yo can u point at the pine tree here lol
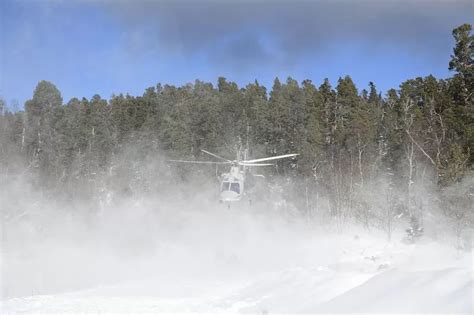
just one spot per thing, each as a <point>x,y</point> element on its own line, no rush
<point>42,114</point>
<point>462,85</point>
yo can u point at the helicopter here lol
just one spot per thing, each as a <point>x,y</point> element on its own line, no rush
<point>233,183</point>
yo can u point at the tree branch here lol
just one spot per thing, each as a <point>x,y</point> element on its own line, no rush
<point>421,149</point>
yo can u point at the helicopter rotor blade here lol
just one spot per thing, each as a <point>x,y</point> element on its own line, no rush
<point>215,155</point>
<point>198,162</point>
<point>255,164</point>
<point>270,158</point>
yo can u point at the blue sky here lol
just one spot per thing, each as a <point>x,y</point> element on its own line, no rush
<point>107,47</point>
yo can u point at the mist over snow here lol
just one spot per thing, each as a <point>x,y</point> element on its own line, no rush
<point>176,249</point>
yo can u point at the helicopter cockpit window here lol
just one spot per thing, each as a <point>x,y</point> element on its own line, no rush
<point>235,187</point>
<point>225,186</point>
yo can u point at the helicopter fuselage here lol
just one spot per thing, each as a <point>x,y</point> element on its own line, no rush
<point>232,185</point>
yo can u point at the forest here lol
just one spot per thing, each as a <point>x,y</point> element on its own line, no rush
<point>371,157</point>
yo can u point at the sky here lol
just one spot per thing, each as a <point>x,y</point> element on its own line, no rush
<point>110,47</point>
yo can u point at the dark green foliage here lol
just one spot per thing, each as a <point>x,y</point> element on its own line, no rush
<point>462,85</point>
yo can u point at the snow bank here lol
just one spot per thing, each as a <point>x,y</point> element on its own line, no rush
<point>432,291</point>
<point>302,270</point>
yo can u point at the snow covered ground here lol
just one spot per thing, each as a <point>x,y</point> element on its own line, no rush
<point>228,262</point>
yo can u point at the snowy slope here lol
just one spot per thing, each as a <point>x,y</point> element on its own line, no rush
<point>142,258</point>
<point>361,275</point>
<point>429,291</point>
